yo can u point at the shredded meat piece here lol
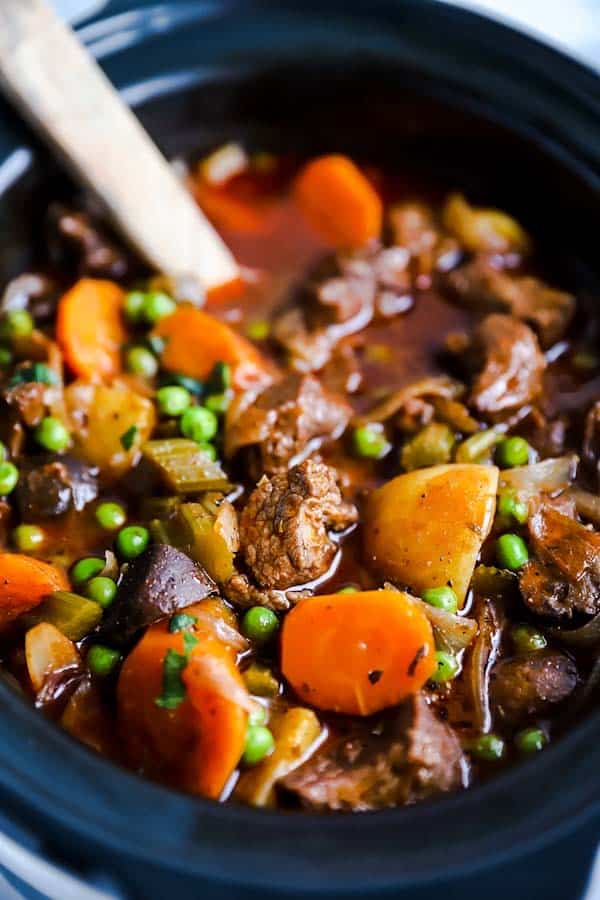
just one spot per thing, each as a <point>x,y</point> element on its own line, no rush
<point>564,576</point>
<point>407,758</point>
<point>48,488</point>
<point>285,423</point>
<point>27,401</point>
<point>415,229</point>
<point>531,685</point>
<point>591,439</point>
<point>241,592</point>
<point>77,239</point>
<point>284,526</point>
<point>340,299</point>
<point>484,288</point>
<point>512,366</point>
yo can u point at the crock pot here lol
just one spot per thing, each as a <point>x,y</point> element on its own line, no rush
<point>479,105</point>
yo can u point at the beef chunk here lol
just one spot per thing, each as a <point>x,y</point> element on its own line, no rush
<point>26,402</point>
<point>410,757</point>
<point>591,439</point>
<point>512,366</point>
<point>49,487</point>
<point>340,299</point>
<point>564,576</point>
<point>75,239</point>
<point>155,585</point>
<point>285,423</point>
<point>531,686</point>
<point>484,288</point>
<point>284,526</point>
<point>415,229</point>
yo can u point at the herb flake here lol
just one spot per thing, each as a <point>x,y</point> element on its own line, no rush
<point>128,437</point>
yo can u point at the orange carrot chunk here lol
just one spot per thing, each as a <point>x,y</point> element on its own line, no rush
<point>89,329</point>
<point>24,582</point>
<point>338,201</point>
<point>357,653</point>
<point>197,744</point>
<point>228,212</point>
<point>196,341</point>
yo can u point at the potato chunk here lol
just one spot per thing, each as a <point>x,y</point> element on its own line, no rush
<point>425,529</point>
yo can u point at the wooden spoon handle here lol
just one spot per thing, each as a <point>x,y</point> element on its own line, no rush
<point>62,91</point>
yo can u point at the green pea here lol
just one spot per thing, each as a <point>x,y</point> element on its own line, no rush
<point>157,306</point>
<point>259,744</point>
<point>142,362</point>
<point>509,508</point>
<point>132,541</point>
<point>102,660</point>
<point>349,589</point>
<point>28,538</point>
<point>489,747</point>
<point>199,424</point>
<point>527,639</point>
<point>447,667</point>
<point>512,451</point>
<point>110,516</point>
<point>511,552</point>
<point>442,597</point>
<point>3,452</point>
<point>9,475</point>
<point>258,330</point>
<point>260,624</point>
<point>531,740</point>
<point>101,589</point>
<point>133,306</point>
<point>258,715</point>
<point>173,400</point>
<point>217,403</point>
<point>52,435</point>
<point>17,324</point>
<point>6,357</point>
<point>370,441</point>
<point>86,568</point>
<point>210,450</point>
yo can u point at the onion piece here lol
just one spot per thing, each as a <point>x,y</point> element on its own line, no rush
<point>546,477</point>
<point>587,504</point>
<point>438,386</point>
<point>452,633</point>
<point>223,164</point>
<point>587,635</point>
<point>47,651</point>
<point>482,658</point>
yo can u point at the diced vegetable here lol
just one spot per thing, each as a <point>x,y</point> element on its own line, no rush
<point>228,211</point>
<point>197,341</point>
<point>548,476</point>
<point>339,201</point>
<point>198,743</point>
<point>426,528</point>
<point>86,718</point>
<point>47,650</point>
<point>483,230</point>
<point>185,467</point>
<point>24,582</point>
<point>100,415</point>
<point>488,581</point>
<point>89,329</point>
<point>209,533</point>
<point>296,733</point>
<point>430,447</point>
<point>260,680</point>
<point>224,164</point>
<point>478,447</point>
<point>434,386</point>
<point>453,633</point>
<point>72,614</point>
<point>357,653</point>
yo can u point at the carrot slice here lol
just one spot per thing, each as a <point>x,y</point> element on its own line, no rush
<point>338,201</point>
<point>24,582</point>
<point>357,653</point>
<point>226,211</point>
<point>197,745</point>
<point>89,329</point>
<point>196,341</point>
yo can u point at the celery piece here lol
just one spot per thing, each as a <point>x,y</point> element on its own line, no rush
<point>432,446</point>
<point>72,614</point>
<point>260,680</point>
<point>184,466</point>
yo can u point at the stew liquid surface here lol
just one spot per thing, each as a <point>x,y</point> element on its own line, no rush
<point>327,538</point>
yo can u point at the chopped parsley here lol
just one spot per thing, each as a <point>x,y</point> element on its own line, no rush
<point>181,621</point>
<point>128,437</point>
<point>35,372</point>
<point>173,688</point>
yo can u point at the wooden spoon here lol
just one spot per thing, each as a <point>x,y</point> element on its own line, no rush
<point>62,91</point>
